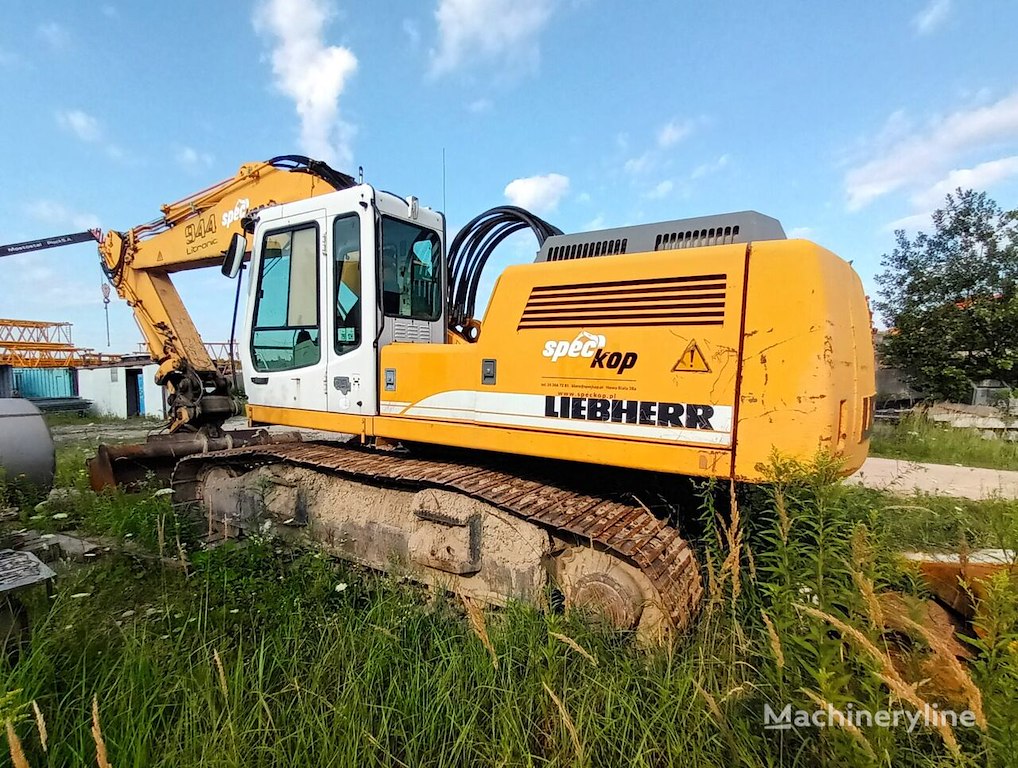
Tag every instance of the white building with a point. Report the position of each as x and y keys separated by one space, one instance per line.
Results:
x=124 y=389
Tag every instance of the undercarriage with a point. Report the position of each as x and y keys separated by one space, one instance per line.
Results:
x=487 y=533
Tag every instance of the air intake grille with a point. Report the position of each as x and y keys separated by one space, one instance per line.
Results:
x=587 y=250
x=694 y=238
x=688 y=300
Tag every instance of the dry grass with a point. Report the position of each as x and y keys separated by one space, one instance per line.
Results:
x=18 y=759
x=774 y=640
x=575 y=646
x=97 y=736
x=40 y=724
x=475 y=615
x=567 y=721
x=221 y=674
x=842 y=722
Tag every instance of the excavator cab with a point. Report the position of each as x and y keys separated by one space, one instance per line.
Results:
x=334 y=279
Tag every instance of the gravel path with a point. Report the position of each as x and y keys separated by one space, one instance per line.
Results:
x=946 y=479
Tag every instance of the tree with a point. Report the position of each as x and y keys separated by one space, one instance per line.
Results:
x=950 y=299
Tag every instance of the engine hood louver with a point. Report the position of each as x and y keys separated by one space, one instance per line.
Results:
x=685 y=300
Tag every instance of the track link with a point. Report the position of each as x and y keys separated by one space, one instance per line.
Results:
x=626 y=530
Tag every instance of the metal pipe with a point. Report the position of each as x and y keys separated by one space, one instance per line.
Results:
x=132 y=466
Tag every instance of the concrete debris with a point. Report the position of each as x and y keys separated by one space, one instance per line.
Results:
x=49 y=547
x=991 y=422
x=57 y=498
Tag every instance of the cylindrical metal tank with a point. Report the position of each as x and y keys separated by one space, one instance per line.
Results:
x=26 y=446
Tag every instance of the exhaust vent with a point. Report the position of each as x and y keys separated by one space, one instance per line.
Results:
x=694 y=238
x=723 y=229
x=685 y=300
x=586 y=250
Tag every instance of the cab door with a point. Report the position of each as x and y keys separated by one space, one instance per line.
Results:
x=352 y=369
x=285 y=361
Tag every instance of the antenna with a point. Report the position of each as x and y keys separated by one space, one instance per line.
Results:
x=445 y=209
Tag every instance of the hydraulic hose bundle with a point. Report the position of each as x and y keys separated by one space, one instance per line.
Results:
x=470 y=251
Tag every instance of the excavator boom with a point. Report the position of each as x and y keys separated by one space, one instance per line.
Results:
x=193 y=233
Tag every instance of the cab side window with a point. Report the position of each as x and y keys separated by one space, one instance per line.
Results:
x=346 y=250
x=286 y=329
x=411 y=270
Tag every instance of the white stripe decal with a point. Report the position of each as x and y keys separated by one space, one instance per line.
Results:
x=520 y=410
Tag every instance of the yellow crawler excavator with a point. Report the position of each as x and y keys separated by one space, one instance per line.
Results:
x=501 y=455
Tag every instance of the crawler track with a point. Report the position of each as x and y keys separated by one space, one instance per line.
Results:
x=626 y=530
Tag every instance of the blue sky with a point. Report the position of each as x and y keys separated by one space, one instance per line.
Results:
x=843 y=120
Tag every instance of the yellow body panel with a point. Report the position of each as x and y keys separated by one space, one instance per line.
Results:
x=699 y=362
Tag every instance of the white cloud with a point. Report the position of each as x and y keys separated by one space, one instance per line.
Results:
x=540 y=194
x=912 y=223
x=190 y=159
x=502 y=31
x=639 y=164
x=933 y=14
x=706 y=169
x=674 y=132
x=670 y=134
x=917 y=158
x=80 y=123
x=979 y=178
x=413 y=32
x=478 y=106
x=310 y=72
x=88 y=129
x=57 y=215
x=54 y=35
x=661 y=190
x=800 y=233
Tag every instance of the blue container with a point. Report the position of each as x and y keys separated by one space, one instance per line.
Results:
x=44 y=382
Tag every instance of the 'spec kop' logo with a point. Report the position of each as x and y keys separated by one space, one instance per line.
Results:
x=584 y=345
x=237 y=212
x=592 y=346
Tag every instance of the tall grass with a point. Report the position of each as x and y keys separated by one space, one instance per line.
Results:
x=263 y=656
x=916 y=438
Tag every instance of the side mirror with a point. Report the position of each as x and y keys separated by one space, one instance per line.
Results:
x=234 y=258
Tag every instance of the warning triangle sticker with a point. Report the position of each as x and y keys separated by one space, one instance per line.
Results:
x=691 y=361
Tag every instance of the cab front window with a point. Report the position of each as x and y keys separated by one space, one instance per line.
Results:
x=286 y=328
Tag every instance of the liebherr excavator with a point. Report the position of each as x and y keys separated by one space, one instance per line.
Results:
x=492 y=456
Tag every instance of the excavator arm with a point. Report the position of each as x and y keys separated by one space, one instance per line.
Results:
x=191 y=234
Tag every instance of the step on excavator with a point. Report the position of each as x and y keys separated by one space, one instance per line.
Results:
x=535 y=447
